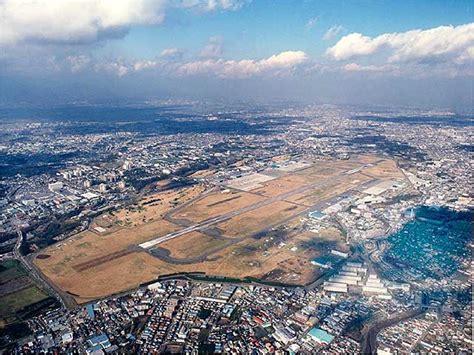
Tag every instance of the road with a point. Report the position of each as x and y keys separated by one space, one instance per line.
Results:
x=369 y=344
x=33 y=273
x=219 y=219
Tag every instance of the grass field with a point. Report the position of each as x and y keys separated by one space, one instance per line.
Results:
x=10 y=269
x=18 y=300
x=17 y=291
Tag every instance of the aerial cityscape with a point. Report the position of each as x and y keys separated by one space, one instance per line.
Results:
x=190 y=202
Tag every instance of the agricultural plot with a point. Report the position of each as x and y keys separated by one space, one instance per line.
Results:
x=19 y=296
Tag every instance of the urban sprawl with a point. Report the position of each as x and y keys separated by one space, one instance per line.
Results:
x=64 y=178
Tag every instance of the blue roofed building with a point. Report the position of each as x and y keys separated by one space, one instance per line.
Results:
x=320 y=336
x=90 y=311
x=316 y=215
x=326 y=261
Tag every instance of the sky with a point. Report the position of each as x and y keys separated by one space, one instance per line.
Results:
x=379 y=52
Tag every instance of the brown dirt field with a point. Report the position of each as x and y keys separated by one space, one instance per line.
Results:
x=323 y=173
x=366 y=158
x=132 y=269
x=280 y=158
x=317 y=195
x=191 y=245
x=253 y=221
x=202 y=174
x=317 y=167
x=101 y=260
x=114 y=276
x=104 y=221
x=252 y=258
x=277 y=187
x=154 y=206
x=385 y=169
x=87 y=246
x=312 y=175
x=210 y=206
x=346 y=164
x=297 y=179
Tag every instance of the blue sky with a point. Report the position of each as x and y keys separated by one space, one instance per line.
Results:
x=303 y=50
x=262 y=28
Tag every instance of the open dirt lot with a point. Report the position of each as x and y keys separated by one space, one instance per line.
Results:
x=251 y=222
x=385 y=169
x=202 y=173
x=65 y=263
x=255 y=258
x=154 y=206
x=277 y=187
x=114 y=276
x=193 y=244
x=216 y=204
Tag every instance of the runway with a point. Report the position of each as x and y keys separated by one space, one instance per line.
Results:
x=219 y=219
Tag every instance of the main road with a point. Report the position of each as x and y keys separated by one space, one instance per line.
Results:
x=32 y=271
x=369 y=344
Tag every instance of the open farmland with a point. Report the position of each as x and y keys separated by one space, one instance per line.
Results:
x=19 y=295
x=252 y=227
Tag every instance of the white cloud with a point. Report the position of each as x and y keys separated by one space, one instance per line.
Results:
x=73 y=21
x=442 y=51
x=171 y=53
x=333 y=32
x=143 y=64
x=213 y=48
x=116 y=68
x=213 y=5
x=311 y=23
x=354 y=67
x=77 y=62
x=86 y=21
x=444 y=43
x=278 y=64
